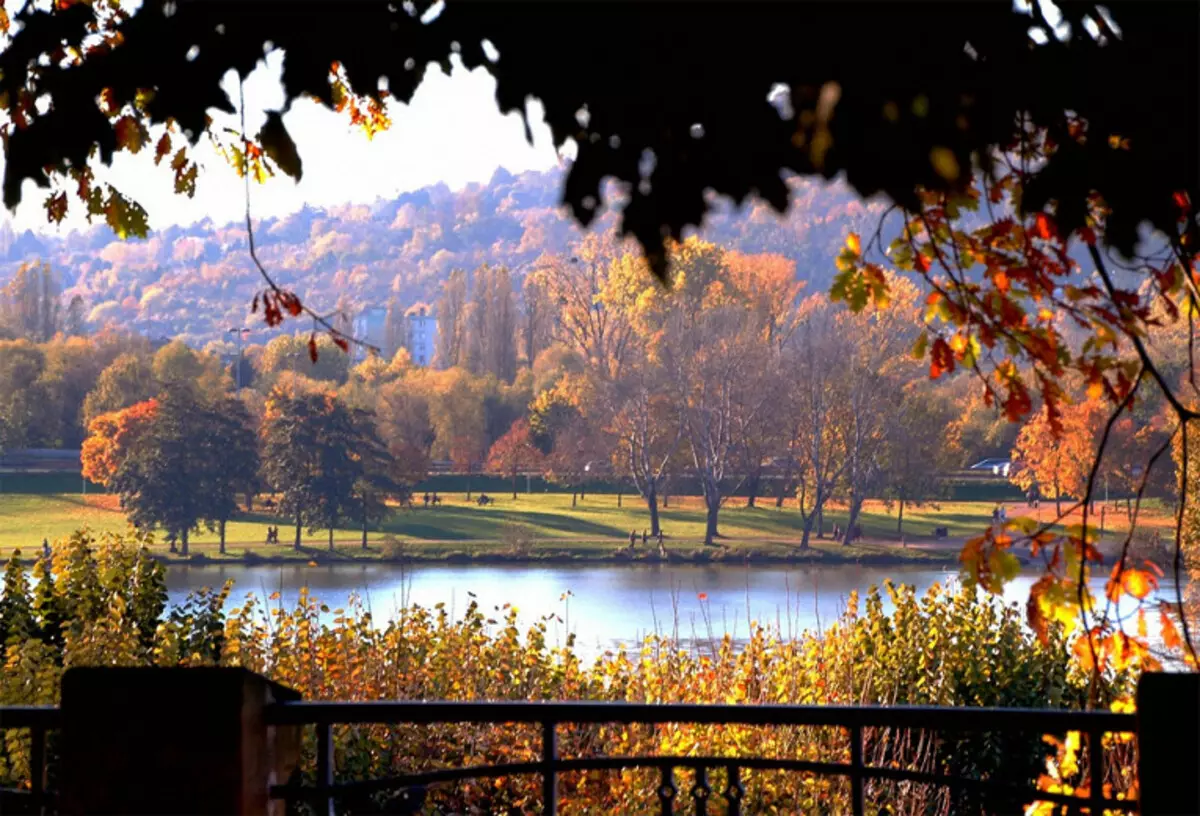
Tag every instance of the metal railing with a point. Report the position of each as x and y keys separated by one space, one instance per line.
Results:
x=411 y=789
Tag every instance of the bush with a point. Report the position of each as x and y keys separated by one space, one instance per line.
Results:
x=944 y=648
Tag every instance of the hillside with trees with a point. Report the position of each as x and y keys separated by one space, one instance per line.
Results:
x=194 y=282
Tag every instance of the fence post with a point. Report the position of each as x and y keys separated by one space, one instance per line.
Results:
x=1168 y=711
x=141 y=740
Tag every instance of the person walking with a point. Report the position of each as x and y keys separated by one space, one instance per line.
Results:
x=632 y=539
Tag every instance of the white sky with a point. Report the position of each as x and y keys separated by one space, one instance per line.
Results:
x=452 y=132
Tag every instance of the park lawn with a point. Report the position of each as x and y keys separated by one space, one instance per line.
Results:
x=533 y=523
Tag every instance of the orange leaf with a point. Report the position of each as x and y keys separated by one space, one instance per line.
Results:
x=312 y=347
x=340 y=342
x=853 y=244
x=1170 y=634
x=1138 y=583
x=1043 y=226
x=921 y=261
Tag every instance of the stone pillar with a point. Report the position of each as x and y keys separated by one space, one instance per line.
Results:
x=172 y=740
x=1168 y=711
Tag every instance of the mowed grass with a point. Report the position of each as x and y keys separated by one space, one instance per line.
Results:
x=535 y=523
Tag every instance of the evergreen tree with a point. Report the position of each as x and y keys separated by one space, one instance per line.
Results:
x=16 y=611
x=49 y=610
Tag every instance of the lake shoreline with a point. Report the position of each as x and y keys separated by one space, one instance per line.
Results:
x=711 y=556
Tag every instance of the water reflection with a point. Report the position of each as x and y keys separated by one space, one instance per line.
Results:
x=608 y=605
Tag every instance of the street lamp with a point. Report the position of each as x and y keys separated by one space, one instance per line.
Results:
x=240 y=333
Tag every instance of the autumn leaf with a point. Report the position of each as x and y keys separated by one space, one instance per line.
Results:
x=131 y=135
x=1138 y=583
x=853 y=244
x=312 y=347
x=162 y=148
x=1168 y=631
x=56 y=208
x=941 y=359
x=340 y=342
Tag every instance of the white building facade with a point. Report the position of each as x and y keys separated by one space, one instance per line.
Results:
x=420 y=334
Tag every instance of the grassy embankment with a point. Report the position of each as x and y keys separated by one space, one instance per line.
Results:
x=534 y=527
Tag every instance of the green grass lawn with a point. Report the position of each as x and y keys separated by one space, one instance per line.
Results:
x=532 y=522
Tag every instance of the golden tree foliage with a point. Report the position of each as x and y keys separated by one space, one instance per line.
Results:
x=1057 y=461
x=109 y=438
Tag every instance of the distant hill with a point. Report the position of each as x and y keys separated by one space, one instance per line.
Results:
x=197 y=281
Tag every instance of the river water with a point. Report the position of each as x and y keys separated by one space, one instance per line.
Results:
x=608 y=605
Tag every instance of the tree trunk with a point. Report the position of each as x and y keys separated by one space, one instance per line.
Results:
x=712 y=503
x=807 y=531
x=249 y=501
x=582 y=494
x=752 y=489
x=710 y=527
x=1057 y=498
x=331 y=537
x=855 y=509
x=298 y=526
x=666 y=500
x=781 y=493
x=820 y=522
x=364 y=526
x=618 y=498
x=900 y=518
x=221 y=547
x=514 y=485
x=574 y=496
x=183 y=542
x=171 y=542
x=468 y=485
x=652 y=506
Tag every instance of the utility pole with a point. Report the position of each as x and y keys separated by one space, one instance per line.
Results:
x=240 y=333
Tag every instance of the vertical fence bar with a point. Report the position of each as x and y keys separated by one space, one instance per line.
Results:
x=667 y=790
x=549 y=771
x=856 y=768
x=1096 y=761
x=325 y=767
x=37 y=768
x=733 y=792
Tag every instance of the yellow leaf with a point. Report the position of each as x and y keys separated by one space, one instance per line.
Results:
x=852 y=243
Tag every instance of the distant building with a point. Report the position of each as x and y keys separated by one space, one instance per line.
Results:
x=371 y=328
x=420 y=334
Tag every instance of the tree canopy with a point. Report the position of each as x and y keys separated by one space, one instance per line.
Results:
x=898 y=97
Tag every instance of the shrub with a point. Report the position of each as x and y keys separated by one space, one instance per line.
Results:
x=944 y=648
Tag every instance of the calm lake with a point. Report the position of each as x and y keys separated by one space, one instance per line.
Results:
x=608 y=605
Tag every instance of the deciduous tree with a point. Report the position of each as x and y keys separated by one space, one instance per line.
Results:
x=514 y=453
x=1057 y=461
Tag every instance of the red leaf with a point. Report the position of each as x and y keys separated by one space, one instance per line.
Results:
x=254 y=306
x=1043 y=226
x=941 y=359
x=162 y=148
x=340 y=342
x=56 y=208
x=312 y=347
x=291 y=303
x=921 y=262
